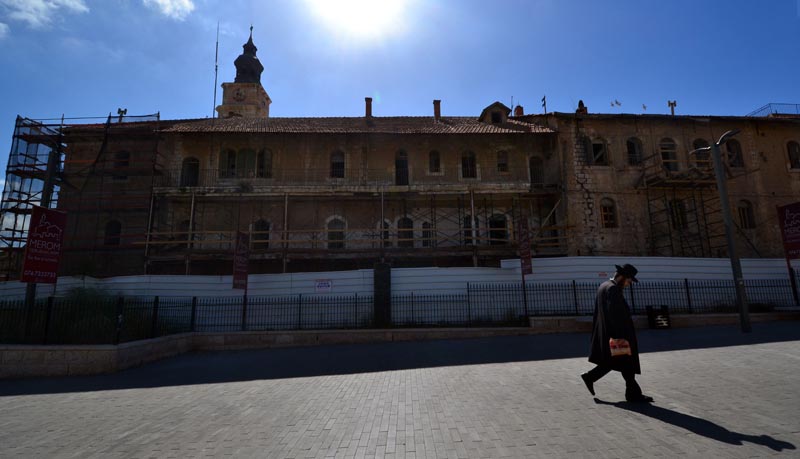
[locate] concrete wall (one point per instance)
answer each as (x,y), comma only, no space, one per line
(26,361)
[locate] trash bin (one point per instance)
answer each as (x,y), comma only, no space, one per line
(658,318)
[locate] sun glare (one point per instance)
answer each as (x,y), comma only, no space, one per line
(361,19)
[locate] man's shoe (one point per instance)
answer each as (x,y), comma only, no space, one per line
(640,399)
(588,382)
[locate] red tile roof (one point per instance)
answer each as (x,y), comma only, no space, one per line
(354,125)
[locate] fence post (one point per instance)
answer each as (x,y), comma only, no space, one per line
(575,295)
(30,302)
(688,296)
(299,311)
(412,307)
(244,312)
(47,315)
(154,326)
(193,322)
(525,295)
(118,327)
(793,283)
(355,309)
(469,307)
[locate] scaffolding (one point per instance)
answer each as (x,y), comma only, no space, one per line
(82,172)
(683,209)
(192,231)
(34,146)
(184,220)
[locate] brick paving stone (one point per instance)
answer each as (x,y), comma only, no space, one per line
(718,393)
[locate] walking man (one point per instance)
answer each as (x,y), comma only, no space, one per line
(613,325)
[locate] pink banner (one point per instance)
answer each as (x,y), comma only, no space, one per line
(43,249)
(789,220)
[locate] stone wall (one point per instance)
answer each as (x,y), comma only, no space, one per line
(25,361)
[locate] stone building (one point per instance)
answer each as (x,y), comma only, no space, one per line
(637,184)
(146,195)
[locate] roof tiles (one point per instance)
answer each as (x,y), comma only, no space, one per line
(355,125)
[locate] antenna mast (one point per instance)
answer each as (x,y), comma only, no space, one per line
(216,68)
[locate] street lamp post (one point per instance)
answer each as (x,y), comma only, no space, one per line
(736,266)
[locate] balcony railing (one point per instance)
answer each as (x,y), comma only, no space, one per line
(544,240)
(317,177)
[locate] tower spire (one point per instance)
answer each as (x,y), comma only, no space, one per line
(248,67)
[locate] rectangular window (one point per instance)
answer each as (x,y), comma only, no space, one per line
(599,154)
(434,163)
(469,168)
(502,162)
(678,214)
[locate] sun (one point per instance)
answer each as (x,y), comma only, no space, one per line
(361,19)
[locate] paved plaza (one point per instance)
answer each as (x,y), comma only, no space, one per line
(718,393)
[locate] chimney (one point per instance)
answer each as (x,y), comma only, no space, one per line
(437,110)
(519,111)
(368,101)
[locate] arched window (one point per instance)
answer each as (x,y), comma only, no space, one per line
(190,172)
(112,233)
(794,154)
(260,234)
(336,229)
(470,225)
(735,158)
(608,213)
(502,162)
(337,164)
(427,235)
(634,146)
(405,232)
(227,163)
(498,230)
(122,160)
(599,152)
(701,158)
(469,165)
(434,162)
(246,163)
(669,154)
(677,213)
(264,164)
(747,219)
(536,170)
(401,168)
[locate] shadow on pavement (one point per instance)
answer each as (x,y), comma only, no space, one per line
(230,366)
(699,426)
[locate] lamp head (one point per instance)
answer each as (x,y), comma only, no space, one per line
(698,150)
(726,136)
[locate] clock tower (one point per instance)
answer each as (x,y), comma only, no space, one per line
(245,97)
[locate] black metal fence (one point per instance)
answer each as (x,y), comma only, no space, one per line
(107,320)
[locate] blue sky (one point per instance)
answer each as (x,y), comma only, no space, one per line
(90,57)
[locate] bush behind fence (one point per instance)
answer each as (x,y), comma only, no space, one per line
(106,320)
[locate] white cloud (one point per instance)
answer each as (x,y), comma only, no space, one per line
(175,9)
(39,13)
(3,30)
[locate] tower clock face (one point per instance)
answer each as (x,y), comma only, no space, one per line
(238,95)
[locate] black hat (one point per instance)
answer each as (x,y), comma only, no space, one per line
(628,271)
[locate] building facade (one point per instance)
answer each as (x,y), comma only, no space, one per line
(146,195)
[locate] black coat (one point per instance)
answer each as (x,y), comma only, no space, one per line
(612,319)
